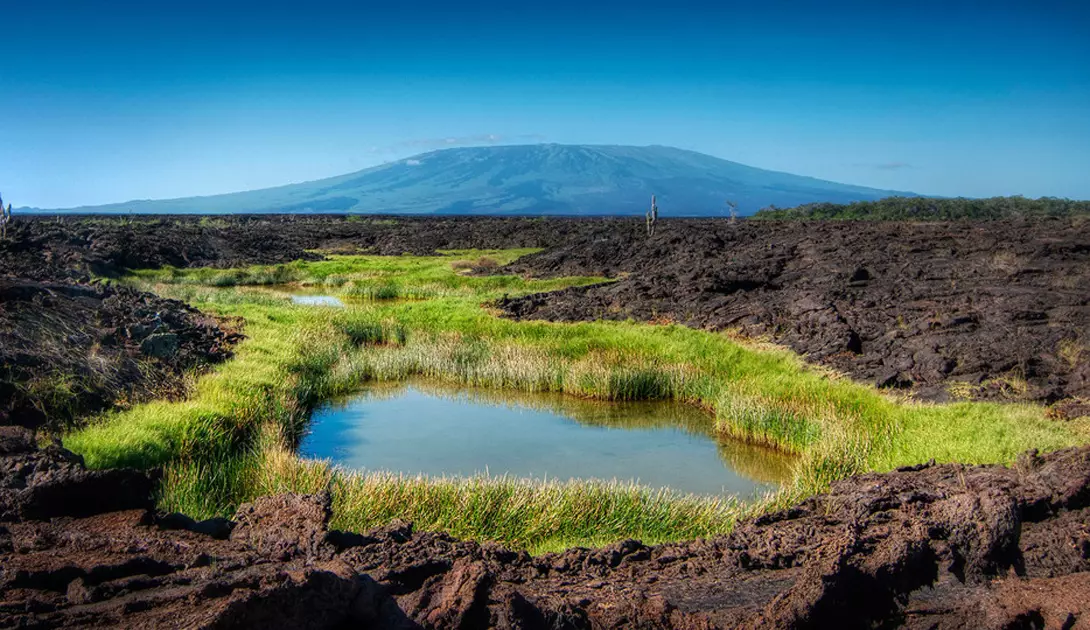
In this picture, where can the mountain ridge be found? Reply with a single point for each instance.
(537, 179)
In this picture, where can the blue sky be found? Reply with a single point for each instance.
(106, 102)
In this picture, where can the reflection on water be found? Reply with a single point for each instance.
(306, 296)
(437, 429)
(316, 300)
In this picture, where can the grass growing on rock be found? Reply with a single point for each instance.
(231, 439)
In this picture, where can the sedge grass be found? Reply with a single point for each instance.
(217, 450)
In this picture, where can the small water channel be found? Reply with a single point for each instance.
(316, 300)
(422, 427)
(320, 296)
(306, 296)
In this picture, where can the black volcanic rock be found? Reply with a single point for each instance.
(927, 546)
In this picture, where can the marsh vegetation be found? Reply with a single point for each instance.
(235, 436)
(437, 429)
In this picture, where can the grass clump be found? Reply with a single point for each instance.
(640, 384)
(382, 291)
(374, 278)
(483, 263)
(527, 514)
(362, 333)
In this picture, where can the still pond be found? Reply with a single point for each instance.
(422, 427)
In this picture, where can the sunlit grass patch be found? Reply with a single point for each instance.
(229, 441)
(526, 514)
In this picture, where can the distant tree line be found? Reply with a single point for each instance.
(932, 209)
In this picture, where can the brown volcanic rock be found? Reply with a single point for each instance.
(999, 309)
(990, 309)
(67, 350)
(286, 525)
(907, 305)
(930, 546)
(69, 247)
(41, 484)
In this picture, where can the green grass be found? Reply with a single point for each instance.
(374, 277)
(931, 209)
(230, 440)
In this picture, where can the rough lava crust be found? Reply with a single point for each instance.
(932, 546)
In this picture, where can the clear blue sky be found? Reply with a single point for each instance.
(111, 101)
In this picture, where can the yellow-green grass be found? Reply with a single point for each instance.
(376, 277)
(528, 514)
(230, 440)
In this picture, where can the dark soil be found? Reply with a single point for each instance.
(985, 310)
(67, 350)
(928, 547)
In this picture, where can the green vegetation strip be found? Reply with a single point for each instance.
(932, 209)
(231, 439)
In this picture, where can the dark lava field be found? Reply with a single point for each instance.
(981, 310)
(996, 310)
(929, 547)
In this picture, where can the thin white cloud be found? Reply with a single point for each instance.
(423, 144)
(885, 166)
(393, 152)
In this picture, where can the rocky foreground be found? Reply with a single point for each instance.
(946, 546)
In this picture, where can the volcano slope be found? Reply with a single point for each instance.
(947, 546)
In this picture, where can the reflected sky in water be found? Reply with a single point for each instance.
(433, 429)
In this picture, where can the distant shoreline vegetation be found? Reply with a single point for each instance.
(932, 209)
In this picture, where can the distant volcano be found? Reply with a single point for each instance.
(531, 179)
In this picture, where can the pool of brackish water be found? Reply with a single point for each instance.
(421, 427)
(316, 300)
(317, 295)
(307, 296)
